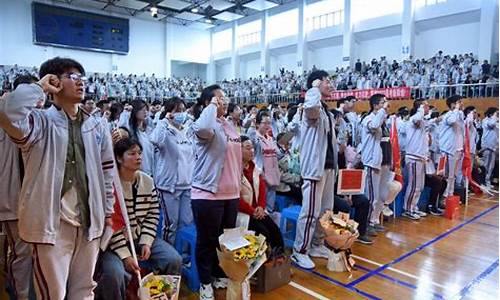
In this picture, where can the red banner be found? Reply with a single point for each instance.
(390, 93)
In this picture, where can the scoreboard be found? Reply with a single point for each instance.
(63, 27)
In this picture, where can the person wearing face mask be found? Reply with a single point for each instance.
(318, 162)
(215, 188)
(174, 167)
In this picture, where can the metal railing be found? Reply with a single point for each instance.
(325, 20)
(476, 90)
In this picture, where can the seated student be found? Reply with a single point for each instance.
(143, 212)
(253, 198)
(289, 165)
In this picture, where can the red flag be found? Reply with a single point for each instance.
(117, 217)
(467, 162)
(396, 154)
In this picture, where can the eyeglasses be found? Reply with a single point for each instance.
(76, 77)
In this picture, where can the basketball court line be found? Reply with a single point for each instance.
(395, 270)
(308, 291)
(483, 199)
(468, 288)
(419, 248)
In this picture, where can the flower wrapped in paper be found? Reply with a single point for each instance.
(160, 287)
(340, 230)
(242, 254)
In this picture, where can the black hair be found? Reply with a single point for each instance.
(490, 111)
(84, 101)
(24, 79)
(468, 109)
(261, 115)
(340, 101)
(170, 105)
(156, 102)
(452, 100)
(115, 110)
(416, 106)
(231, 107)
(58, 66)
(101, 103)
(244, 138)
(292, 110)
(137, 105)
(208, 93)
(375, 100)
(403, 111)
(434, 114)
(123, 146)
(318, 74)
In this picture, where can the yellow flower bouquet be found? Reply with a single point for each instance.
(242, 254)
(160, 287)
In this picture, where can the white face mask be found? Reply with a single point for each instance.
(179, 118)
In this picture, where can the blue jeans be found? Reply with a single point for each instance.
(177, 211)
(113, 278)
(270, 198)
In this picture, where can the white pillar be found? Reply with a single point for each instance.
(347, 36)
(211, 68)
(264, 47)
(301, 40)
(486, 25)
(235, 58)
(168, 50)
(407, 30)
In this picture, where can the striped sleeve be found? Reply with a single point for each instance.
(119, 245)
(150, 222)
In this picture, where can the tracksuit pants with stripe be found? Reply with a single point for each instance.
(416, 182)
(65, 270)
(376, 182)
(19, 262)
(489, 158)
(449, 174)
(317, 198)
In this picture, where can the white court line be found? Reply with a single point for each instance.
(308, 291)
(396, 270)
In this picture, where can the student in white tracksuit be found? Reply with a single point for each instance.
(417, 150)
(489, 141)
(62, 216)
(449, 138)
(371, 155)
(318, 162)
(174, 167)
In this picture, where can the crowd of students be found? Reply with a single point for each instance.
(427, 76)
(203, 164)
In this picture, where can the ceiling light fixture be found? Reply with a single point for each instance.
(195, 10)
(208, 21)
(154, 11)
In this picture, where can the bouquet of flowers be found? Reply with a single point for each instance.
(242, 254)
(160, 287)
(340, 230)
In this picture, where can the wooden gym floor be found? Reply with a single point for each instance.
(434, 258)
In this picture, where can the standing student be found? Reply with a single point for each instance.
(215, 188)
(265, 156)
(371, 156)
(140, 127)
(449, 138)
(63, 217)
(19, 265)
(174, 167)
(318, 162)
(417, 150)
(489, 141)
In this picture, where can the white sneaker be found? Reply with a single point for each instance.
(221, 283)
(303, 260)
(420, 213)
(206, 292)
(319, 251)
(387, 211)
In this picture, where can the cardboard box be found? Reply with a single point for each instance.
(272, 275)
